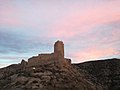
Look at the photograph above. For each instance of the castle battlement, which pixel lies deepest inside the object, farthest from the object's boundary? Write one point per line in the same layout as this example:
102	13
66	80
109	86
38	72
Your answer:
56	57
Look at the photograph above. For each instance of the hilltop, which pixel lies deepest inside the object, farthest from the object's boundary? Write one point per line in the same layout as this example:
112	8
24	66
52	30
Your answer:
52	71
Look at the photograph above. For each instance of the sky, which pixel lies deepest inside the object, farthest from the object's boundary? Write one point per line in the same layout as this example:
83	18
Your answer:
90	29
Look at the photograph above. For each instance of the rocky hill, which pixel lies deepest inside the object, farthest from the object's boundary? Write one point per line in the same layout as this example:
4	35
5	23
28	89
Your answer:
106	72
92	75
43	77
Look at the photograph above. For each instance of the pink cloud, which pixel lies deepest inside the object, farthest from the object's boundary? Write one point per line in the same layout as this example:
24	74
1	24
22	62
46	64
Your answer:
75	21
81	21
10	21
94	53
8	16
99	47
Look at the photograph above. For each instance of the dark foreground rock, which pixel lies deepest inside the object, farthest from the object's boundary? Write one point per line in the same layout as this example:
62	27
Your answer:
105	72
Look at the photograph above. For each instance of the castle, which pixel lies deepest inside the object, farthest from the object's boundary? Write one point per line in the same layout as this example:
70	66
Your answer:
57	57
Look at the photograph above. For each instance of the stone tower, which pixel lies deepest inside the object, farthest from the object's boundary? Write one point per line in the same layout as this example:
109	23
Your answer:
59	48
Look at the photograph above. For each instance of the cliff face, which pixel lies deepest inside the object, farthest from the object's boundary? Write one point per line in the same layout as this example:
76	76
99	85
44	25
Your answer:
43	77
105	72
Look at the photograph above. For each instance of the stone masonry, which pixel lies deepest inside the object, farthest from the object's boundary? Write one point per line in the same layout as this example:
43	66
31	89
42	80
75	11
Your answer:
57	57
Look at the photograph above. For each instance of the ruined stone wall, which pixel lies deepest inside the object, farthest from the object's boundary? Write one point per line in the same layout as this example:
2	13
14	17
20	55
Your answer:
46	56
56	57
49	59
33	61
43	59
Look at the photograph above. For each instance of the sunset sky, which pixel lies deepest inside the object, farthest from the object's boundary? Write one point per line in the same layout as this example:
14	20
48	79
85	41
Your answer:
90	29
